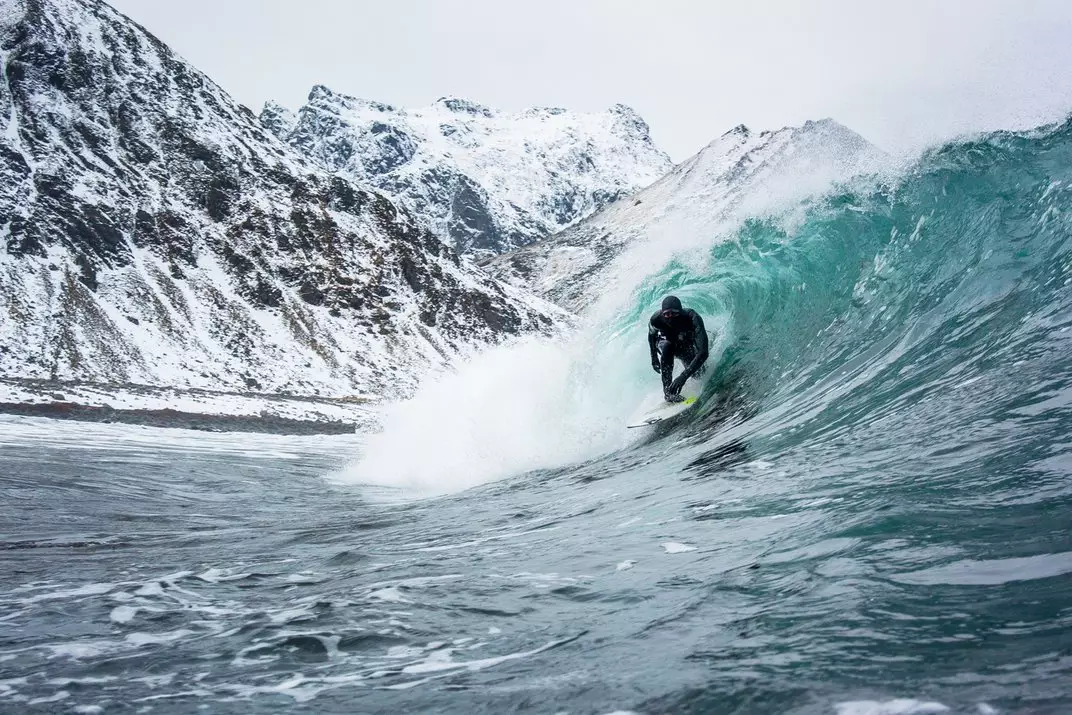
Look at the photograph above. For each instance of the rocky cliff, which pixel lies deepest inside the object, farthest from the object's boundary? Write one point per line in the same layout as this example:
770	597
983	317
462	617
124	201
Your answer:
154	231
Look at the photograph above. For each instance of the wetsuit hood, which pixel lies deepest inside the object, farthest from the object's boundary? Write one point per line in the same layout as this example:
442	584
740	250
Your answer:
671	302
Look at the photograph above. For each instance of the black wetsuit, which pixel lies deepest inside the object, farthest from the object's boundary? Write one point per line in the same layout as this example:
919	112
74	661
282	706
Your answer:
682	336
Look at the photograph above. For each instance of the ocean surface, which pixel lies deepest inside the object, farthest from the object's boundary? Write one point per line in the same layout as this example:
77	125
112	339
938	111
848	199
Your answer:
870	512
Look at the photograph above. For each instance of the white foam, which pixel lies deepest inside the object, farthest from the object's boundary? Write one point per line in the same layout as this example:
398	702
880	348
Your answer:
55	698
900	706
77	651
90	589
440	660
288	615
673	547
217	575
7	686
391	594
532	404
88	680
140	639
991	572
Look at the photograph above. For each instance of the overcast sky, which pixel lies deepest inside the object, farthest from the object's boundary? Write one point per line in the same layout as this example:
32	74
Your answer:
903	73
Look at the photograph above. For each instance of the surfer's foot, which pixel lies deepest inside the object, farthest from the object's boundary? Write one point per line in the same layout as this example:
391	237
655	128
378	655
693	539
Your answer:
674	398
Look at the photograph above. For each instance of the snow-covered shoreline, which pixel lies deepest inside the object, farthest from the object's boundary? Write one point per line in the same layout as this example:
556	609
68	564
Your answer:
188	408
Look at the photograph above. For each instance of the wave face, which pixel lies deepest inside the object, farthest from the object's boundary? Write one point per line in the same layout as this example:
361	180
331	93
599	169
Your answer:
927	321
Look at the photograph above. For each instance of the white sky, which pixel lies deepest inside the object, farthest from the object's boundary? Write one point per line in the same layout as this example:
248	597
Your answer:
903	73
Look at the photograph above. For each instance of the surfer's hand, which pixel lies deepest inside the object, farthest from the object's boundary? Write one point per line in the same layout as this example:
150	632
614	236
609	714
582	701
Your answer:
673	397
677	384
656	366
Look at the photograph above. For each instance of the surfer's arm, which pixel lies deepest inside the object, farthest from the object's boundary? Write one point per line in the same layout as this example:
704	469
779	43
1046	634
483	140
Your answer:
701	347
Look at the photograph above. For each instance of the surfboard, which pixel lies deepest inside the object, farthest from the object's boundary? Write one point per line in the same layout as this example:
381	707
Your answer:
662	412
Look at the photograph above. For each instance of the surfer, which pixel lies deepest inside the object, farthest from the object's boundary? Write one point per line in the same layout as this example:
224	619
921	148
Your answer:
676	332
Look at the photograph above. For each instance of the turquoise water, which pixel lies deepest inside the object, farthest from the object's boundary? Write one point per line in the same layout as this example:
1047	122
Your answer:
869	513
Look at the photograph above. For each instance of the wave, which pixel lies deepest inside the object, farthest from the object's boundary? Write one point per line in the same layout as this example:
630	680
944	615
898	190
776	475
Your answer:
911	312
953	280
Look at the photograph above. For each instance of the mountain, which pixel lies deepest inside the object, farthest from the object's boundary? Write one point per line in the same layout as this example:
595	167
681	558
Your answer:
739	174
484	181
155	232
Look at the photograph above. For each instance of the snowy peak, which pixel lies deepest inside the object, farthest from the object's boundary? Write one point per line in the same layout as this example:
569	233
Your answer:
324	98
279	120
458	105
482	180
629	123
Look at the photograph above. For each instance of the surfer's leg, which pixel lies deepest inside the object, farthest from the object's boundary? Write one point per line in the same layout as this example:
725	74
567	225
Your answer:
666	362
685	353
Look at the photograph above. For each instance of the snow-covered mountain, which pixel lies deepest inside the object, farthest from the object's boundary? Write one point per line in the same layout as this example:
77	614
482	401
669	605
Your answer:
484	181
742	173
155	232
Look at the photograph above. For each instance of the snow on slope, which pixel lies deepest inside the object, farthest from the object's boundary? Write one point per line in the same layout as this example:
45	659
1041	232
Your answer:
740	174
484	181
154	232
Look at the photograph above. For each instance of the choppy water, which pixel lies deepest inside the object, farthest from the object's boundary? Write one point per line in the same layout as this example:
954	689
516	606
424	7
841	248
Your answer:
870	513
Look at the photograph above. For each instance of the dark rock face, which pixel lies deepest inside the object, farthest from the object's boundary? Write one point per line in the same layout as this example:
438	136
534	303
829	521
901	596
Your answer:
393	148
157	232
278	119
471	225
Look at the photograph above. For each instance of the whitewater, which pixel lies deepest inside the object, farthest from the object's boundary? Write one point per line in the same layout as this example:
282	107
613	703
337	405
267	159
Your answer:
868	513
